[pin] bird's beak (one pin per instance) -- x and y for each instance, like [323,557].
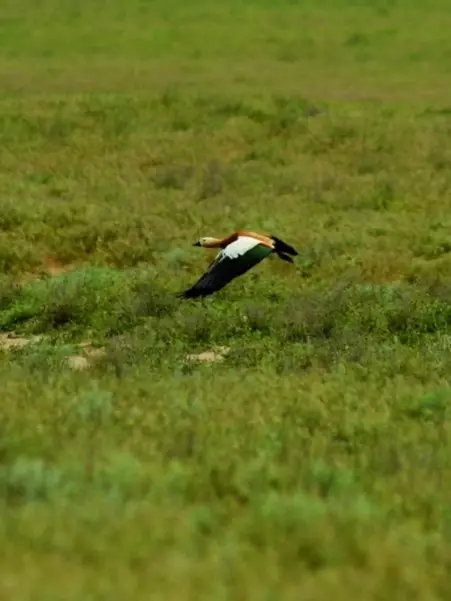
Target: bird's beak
[196,243]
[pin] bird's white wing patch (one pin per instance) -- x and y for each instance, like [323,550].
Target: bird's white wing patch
[239,247]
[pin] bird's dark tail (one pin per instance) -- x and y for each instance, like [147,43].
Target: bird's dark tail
[283,247]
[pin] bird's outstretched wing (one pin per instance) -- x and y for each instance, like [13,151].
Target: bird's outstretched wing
[231,262]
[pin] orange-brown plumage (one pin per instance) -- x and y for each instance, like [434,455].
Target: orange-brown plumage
[263,238]
[224,242]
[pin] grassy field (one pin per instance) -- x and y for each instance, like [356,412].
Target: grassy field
[311,459]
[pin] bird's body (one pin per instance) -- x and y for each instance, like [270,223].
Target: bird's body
[239,252]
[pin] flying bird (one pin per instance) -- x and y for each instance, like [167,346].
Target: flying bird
[239,252]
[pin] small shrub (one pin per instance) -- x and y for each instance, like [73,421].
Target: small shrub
[434,406]
[9,292]
[198,327]
[212,181]
[173,176]
[150,300]
[312,315]
[258,319]
[289,115]
[30,480]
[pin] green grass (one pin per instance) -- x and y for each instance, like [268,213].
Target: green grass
[313,461]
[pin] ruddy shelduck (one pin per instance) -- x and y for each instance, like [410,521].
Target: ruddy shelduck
[239,252]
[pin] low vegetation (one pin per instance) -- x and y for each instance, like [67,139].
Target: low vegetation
[287,438]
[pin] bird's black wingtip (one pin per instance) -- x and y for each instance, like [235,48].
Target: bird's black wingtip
[284,247]
[189,294]
[285,257]
[184,294]
[195,294]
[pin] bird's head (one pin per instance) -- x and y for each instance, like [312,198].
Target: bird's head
[207,242]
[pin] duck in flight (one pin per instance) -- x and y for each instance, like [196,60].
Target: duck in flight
[239,252]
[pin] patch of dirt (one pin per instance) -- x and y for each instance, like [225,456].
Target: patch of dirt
[50,267]
[88,354]
[78,362]
[10,340]
[53,267]
[212,356]
[86,358]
